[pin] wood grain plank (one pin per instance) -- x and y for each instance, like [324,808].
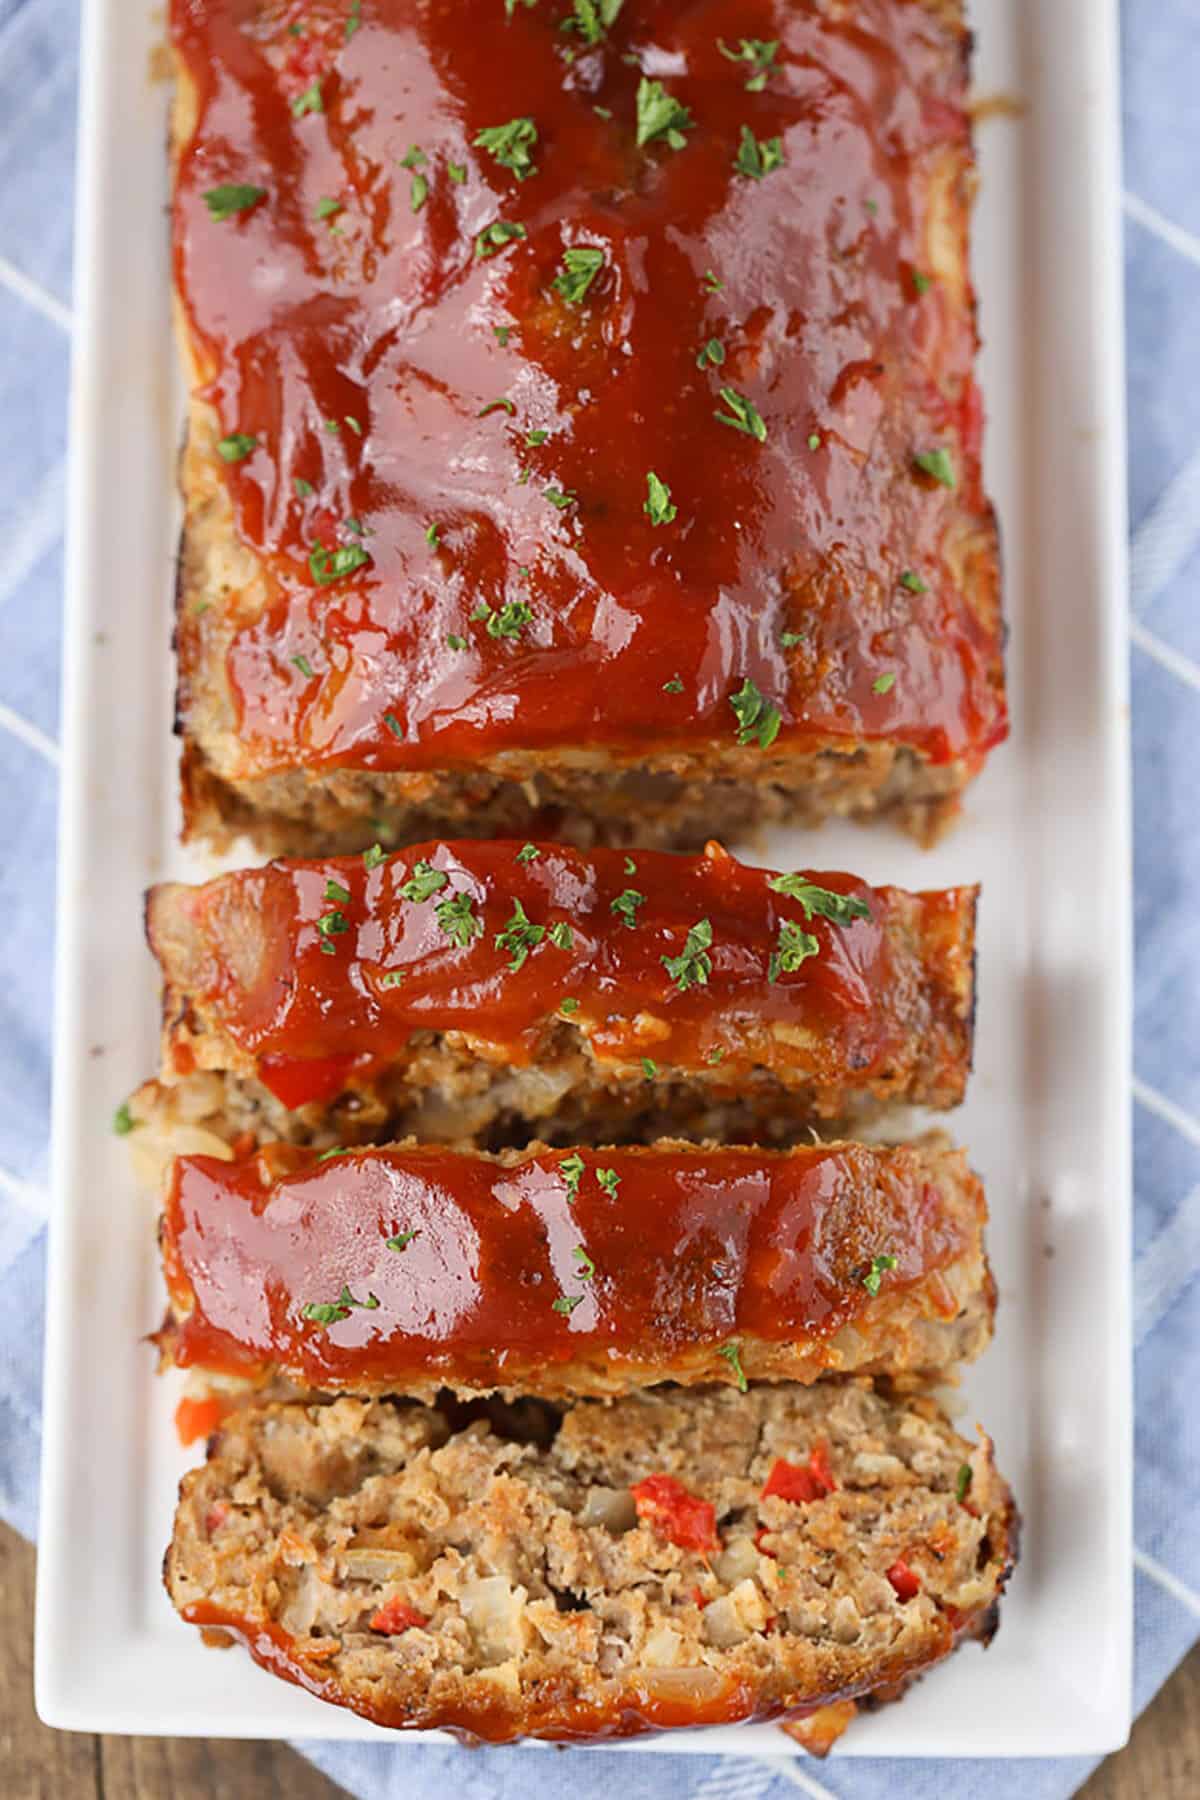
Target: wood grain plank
[1162,1758]
[207,1769]
[36,1763]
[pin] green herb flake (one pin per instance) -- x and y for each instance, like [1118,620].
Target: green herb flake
[502,405]
[913,582]
[331,925]
[674,686]
[649,1068]
[571,1168]
[795,946]
[123,1121]
[418,192]
[938,464]
[327,208]
[562,498]
[592,18]
[962,1482]
[581,265]
[657,506]
[743,415]
[789,639]
[921,283]
[566,1304]
[392,978]
[561,935]
[511,144]
[712,354]
[609,1180]
[394,726]
[231,198]
[814,440]
[630,866]
[433,536]
[236,448]
[337,1150]
[528,853]
[327,566]
[732,1352]
[716,1055]
[758,54]
[310,101]
[304,489]
[568,1006]
[456,917]
[423,883]
[712,282]
[509,621]
[626,906]
[534,441]
[402,1239]
[414,158]
[693,966]
[305,667]
[494,237]
[883,684]
[757,720]
[455,642]
[756,158]
[660,116]
[354,425]
[336,892]
[819,902]
[520,936]
[374,857]
[457,173]
[873,1279]
[329,1312]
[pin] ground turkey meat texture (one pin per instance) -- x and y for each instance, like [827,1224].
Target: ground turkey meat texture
[680,1557]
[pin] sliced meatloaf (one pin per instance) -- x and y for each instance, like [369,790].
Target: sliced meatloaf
[593,441]
[675,1558]
[474,990]
[402,1270]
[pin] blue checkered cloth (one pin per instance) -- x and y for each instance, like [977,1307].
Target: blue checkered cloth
[38,56]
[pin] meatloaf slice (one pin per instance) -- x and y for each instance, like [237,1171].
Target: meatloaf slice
[402,1270]
[467,990]
[676,1558]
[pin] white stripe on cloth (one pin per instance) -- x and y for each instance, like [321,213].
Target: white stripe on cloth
[792,1769]
[1162,227]
[29,734]
[34,294]
[740,1778]
[1166,537]
[40,529]
[1166,1266]
[1170,1584]
[1184,1123]
[1175,663]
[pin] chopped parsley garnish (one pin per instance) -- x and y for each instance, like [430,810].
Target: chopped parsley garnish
[423,883]
[353,423]
[674,686]
[566,1303]
[331,925]
[568,1006]
[587,1267]
[303,488]
[609,1180]
[520,936]
[457,919]
[922,283]
[392,978]
[712,352]
[873,1279]
[374,857]
[528,853]
[658,505]
[330,1311]
[327,208]
[716,1055]
[626,906]
[759,54]
[757,719]
[795,946]
[433,536]
[581,265]
[510,6]
[562,498]
[305,667]
[418,192]
[237,447]
[510,145]
[309,101]
[509,621]
[336,892]
[592,18]
[883,684]
[336,1150]
[561,935]
[571,1169]
[938,464]
[630,866]
[745,415]
[712,282]
[330,565]
[502,405]
[757,157]
[732,1352]
[394,726]
[232,197]
[789,639]
[649,1068]
[457,173]
[123,1121]
[660,116]
[494,237]
[354,20]
[414,159]
[819,902]
[455,642]
[693,966]
[402,1239]
[814,440]
[962,1482]
[534,441]
[913,582]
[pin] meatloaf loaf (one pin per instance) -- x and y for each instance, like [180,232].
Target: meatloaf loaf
[562,1273]
[484,990]
[583,425]
[676,1558]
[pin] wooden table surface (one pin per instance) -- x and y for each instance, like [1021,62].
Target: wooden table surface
[1161,1763]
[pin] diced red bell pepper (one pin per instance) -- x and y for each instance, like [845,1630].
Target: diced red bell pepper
[801,1482]
[395,1617]
[195,1419]
[682,1518]
[906,1584]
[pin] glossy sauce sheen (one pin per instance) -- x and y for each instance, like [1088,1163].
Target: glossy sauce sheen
[685,1249]
[362,348]
[317,1021]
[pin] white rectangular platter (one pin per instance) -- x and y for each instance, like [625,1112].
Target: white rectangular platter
[1047,833]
